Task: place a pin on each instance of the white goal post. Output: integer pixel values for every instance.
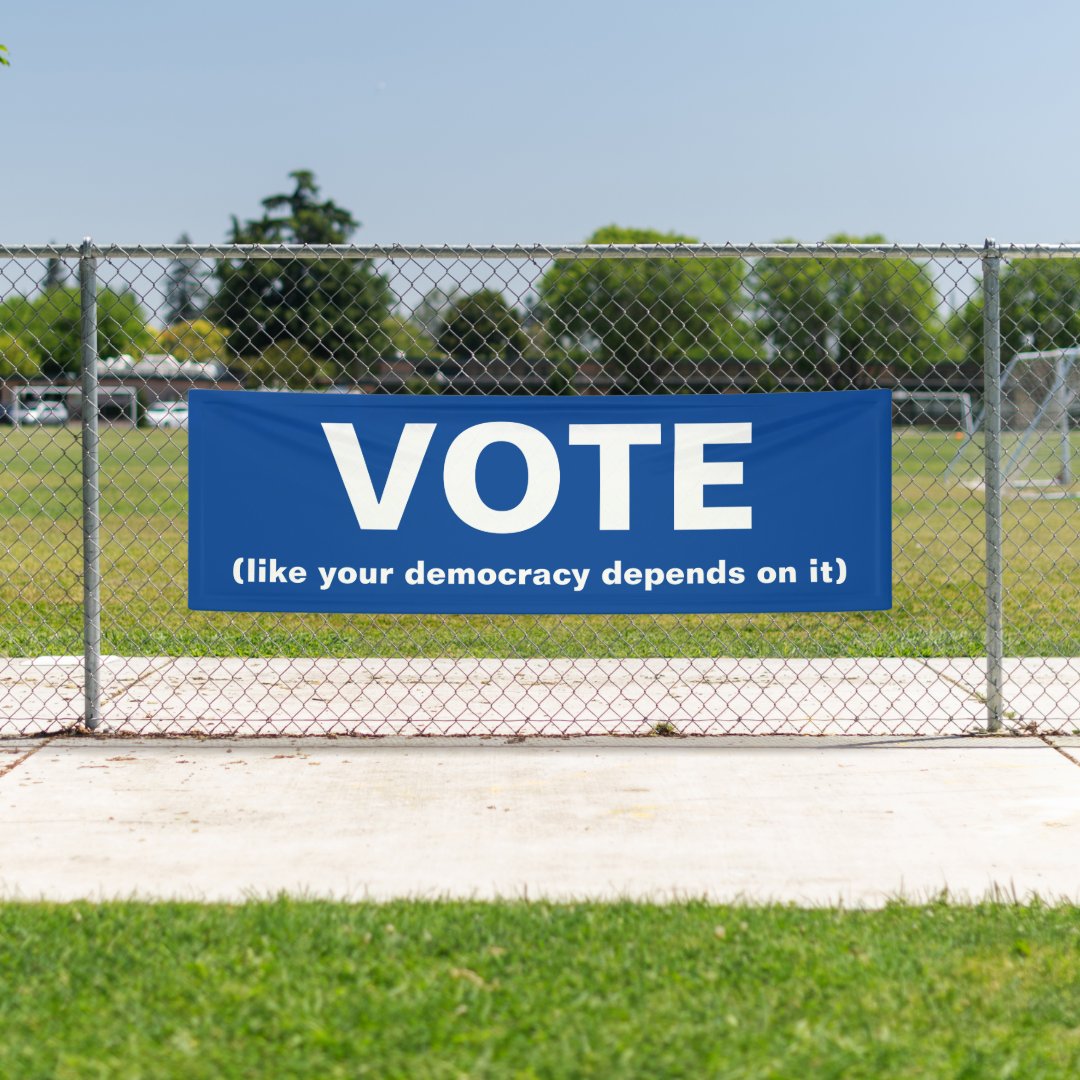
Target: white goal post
(940, 409)
(1040, 407)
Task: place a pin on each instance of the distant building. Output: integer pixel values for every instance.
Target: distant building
(159, 377)
(161, 366)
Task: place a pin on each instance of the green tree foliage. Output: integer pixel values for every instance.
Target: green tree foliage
(642, 316)
(4, 60)
(122, 324)
(16, 359)
(405, 337)
(198, 339)
(47, 325)
(560, 380)
(430, 313)
(332, 308)
(1040, 309)
(483, 326)
(286, 364)
(831, 319)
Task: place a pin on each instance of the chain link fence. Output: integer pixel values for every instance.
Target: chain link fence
(979, 344)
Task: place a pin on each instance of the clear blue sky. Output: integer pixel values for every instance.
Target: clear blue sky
(463, 121)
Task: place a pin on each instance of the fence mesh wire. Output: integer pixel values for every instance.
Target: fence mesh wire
(617, 320)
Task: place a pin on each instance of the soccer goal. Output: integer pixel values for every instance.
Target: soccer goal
(1040, 414)
(942, 410)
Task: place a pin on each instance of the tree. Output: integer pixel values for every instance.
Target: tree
(48, 326)
(430, 313)
(481, 326)
(186, 292)
(16, 359)
(122, 324)
(286, 364)
(643, 316)
(1040, 309)
(405, 337)
(4, 61)
(198, 340)
(833, 319)
(560, 380)
(798, 312)
(332, 308)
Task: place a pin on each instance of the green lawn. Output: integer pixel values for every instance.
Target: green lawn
(938, 598)
(428, 989)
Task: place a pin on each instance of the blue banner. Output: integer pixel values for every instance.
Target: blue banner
(719, 503)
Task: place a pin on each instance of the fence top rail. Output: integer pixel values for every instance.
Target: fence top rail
(537, 252)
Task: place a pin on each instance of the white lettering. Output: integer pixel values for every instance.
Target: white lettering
(693, 474)
(384, 512)
(614, 441)
(541, 486)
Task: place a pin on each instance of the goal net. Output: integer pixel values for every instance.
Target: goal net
(1040, 416)
(941, 410)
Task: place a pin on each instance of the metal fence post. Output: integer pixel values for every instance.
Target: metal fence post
(995, 646)
(91, 519)
(1061, 404)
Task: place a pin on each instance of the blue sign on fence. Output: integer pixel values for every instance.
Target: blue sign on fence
(719, 503)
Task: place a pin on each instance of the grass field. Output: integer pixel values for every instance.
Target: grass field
(289, 989)
(938, 597)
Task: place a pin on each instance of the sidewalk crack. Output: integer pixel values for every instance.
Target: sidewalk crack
(1048, 739)
(156, 666)
(12, 766)
(981, 698)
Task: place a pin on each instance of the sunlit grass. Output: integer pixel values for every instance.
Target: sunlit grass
(430, 989)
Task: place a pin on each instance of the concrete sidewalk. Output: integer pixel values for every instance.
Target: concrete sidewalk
(793, 819)
(155, 695)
